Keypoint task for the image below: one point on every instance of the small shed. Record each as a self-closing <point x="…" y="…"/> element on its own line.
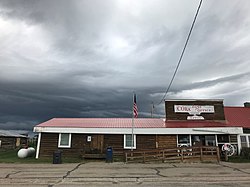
<point x="12" y="139"/>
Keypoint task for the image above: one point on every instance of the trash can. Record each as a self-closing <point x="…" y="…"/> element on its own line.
<point x="109" y="154"/>
<point x="57" y="157"/>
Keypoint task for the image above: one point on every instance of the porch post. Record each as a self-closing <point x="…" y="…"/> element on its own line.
<point x="38" y="145"/>
<point x="239" y="143"/>
<point x="216" y="140"/>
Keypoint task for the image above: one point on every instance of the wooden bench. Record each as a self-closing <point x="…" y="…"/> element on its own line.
<point x="95" y="156"/>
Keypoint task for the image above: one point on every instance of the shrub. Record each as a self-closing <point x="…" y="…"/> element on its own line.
<point x="245" y="152"/>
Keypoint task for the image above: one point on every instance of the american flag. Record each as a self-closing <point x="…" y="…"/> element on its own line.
<point x="135" y="109"/>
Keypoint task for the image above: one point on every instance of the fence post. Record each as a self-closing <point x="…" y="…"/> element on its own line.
<point x="218" y="153"/>
<point x="163" y="156"/>
<point x="126" y="157"/>
<point x="226" y="156"/>
<point x="201" y="154"/>
<point x="143" y="157"/>
<point x="182" y="156"/>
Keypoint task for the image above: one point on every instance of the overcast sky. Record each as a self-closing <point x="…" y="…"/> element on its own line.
<point x="84" y="58"/>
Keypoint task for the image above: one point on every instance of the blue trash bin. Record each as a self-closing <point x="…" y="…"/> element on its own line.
<point x="57" y="157"/>
<point x="109" y="154"/>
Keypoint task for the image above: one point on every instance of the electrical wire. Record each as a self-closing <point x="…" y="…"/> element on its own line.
<point x="180" y="59"/>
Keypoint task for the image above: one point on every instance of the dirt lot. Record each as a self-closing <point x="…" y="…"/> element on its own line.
<point x="120" y="174"/>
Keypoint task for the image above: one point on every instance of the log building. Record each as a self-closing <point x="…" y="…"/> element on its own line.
<point x="187" y="123"/>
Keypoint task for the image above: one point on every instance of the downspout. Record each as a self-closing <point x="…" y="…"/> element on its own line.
<point x="38" y="145"/>
<point x="239" y="143"/>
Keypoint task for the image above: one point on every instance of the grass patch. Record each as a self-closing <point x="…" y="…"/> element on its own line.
<point x="238" y="159"/>
<point x="10" y="156"/>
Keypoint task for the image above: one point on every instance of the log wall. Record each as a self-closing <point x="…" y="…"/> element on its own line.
<point x="166" y="141"/>
<point x="8" y="142"/>
<point x="49" y="144"/>
<point x="80" y="146"/>
<point x="12" y="142"/>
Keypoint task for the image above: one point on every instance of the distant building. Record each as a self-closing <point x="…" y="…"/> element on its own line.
<point x="247" y="104"/>
<point x="12" y="140"/>
<point x="187" y="123"/>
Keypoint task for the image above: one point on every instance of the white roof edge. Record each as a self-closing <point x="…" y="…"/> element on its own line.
<point x="169" y="131"/>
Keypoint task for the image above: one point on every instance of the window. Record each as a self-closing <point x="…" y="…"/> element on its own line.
<point x="233" y="139"/>
<point x="183" y="140"/>
<point x="222" y="139"/>
<point x="128" y="141"/>
<point x="243" y="140"/>
<point x="64" y="140"/>
<point x="210" y="140"/>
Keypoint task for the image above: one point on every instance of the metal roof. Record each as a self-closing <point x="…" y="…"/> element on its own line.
<point x="238" y="116"/>
<point x="104" y="123"/>
<point x="5" y="133"/>
<point x="127" y="123"/>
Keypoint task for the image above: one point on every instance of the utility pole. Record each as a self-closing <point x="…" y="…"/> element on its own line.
<point x="152" y="109"/>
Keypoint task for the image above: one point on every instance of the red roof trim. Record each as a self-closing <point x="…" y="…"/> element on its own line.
<point x="195" y="124"/>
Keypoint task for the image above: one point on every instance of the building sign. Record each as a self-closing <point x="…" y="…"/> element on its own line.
<point x="88" y="138"/>
<point x="194" y="110"/>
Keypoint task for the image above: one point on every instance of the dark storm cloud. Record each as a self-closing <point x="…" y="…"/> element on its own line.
<point x="41" y="102"/>
<point x="38" y="102"/>
<point x="85" y="58"/>
<point x="214" y="82"/>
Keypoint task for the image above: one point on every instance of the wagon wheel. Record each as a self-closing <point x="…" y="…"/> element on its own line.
<point x="228" y="149"/>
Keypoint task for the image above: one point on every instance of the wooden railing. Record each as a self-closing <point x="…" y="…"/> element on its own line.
<point x="178" y="154"/>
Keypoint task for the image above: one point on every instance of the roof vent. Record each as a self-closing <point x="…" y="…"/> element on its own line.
<point x="247" y="104"/>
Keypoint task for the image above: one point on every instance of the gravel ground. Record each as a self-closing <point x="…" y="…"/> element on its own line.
<point x="120" y="174"/>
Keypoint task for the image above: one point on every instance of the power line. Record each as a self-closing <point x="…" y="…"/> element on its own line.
<point x="179" y="62"/>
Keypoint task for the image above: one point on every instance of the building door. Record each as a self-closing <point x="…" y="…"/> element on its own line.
<point x="97" y="143"/>
<point x="18" y="142"/>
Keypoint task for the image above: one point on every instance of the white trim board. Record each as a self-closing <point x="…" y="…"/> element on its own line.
<point x="210" y="130"/>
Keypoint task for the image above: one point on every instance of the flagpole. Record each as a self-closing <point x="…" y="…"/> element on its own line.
<point x="152" y="109"/>
<point x="132" y="137"/>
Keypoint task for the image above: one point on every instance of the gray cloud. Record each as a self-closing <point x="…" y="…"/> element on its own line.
<point x="85" y="58"/>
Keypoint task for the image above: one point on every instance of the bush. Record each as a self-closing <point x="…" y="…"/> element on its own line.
<point x="245" y="152"/>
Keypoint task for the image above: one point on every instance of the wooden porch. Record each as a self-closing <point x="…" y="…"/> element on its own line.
<point x="179" y="154"/>
<point x="94" y="156"/>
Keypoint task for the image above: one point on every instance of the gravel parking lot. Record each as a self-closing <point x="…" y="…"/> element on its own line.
<point x="120" y="174"/>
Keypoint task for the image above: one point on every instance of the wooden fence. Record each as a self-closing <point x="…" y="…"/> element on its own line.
<point x="178" y="154"/>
